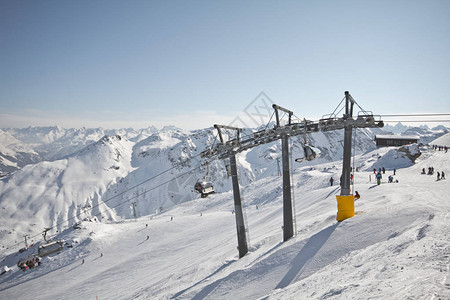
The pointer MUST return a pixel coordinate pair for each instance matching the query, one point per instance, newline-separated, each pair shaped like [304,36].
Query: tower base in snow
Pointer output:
[346,207]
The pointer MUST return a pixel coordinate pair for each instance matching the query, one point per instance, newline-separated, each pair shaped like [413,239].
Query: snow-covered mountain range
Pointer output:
[20,147]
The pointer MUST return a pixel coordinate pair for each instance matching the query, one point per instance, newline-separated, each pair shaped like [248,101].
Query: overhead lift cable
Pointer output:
[418,121]
[423,120]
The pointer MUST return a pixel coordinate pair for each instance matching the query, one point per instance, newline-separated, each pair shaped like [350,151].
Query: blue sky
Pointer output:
[195,63]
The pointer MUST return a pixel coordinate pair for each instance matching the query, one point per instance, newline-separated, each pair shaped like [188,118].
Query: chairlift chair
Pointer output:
[204,188]
[310,154]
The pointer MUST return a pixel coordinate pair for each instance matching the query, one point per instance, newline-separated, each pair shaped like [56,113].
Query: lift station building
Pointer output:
[395,140]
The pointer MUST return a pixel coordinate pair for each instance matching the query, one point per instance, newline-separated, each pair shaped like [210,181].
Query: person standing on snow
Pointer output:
[379,178]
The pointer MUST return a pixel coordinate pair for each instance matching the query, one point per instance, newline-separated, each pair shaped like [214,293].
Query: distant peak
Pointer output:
[170,128]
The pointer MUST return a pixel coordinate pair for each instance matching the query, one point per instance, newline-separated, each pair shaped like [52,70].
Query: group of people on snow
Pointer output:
[29,264]
[440,148]
[380,170]
[440,175]
[430,171]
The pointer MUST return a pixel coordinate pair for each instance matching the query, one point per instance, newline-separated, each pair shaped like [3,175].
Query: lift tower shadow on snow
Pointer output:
[228,149]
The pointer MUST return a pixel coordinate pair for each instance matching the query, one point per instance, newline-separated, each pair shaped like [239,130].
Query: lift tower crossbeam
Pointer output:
[277,116]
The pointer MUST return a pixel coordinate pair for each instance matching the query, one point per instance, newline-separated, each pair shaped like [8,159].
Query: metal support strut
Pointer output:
[240,225]
[288,228]
[346,165]
[346,201]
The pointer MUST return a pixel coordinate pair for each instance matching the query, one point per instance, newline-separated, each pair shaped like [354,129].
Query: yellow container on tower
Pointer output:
[346,207]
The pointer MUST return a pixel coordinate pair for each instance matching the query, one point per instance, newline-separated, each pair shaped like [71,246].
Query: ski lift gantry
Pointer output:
[331,122]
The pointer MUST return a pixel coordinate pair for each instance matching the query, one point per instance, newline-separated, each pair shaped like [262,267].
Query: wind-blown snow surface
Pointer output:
[396,247]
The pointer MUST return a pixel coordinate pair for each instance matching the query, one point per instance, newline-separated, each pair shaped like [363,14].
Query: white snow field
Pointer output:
[396,247]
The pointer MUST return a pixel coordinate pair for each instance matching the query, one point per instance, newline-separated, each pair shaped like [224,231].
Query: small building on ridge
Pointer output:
[395,140]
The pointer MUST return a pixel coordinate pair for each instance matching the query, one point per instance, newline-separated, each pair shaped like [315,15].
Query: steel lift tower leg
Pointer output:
[346,165]
[346,201]
[240,226]
[288,228]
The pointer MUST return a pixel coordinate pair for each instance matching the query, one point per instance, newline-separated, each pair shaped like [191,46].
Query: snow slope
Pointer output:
[55,194]
[396,247]
[442,140]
